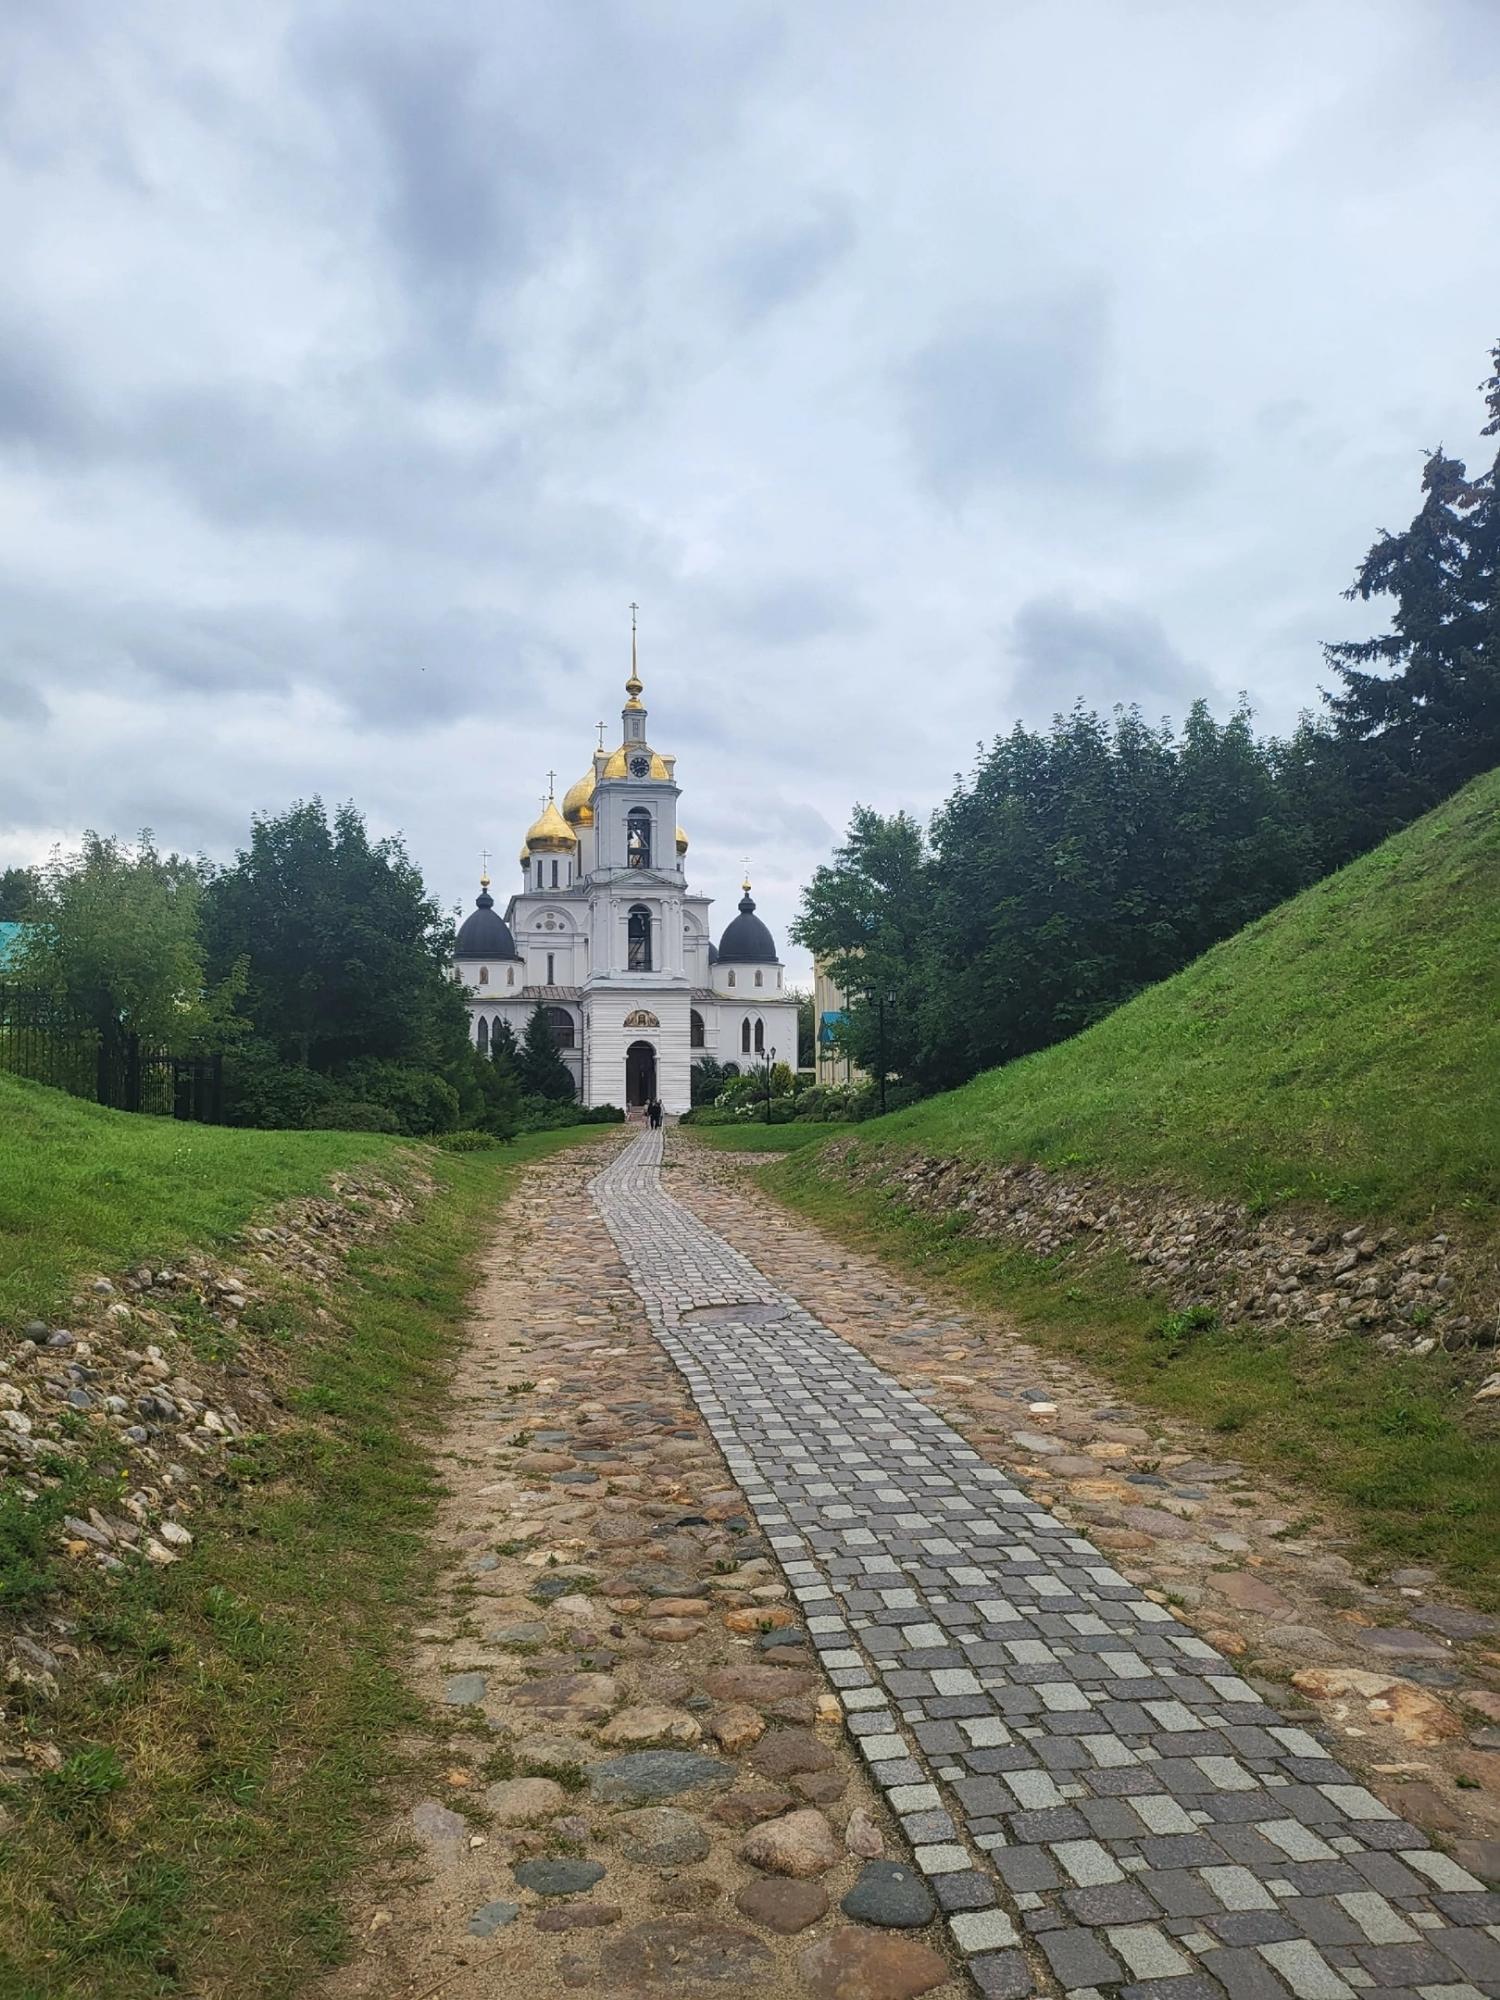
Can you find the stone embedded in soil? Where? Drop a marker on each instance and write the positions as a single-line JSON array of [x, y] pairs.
[[1158, 1523], [558, 1875], [820, 1788], [890, 1894], [1457, 1623], [736, 1727], [1480, 1857], [802, 1843], [525, 1633], [757, 1685], [663, 1837], [749, 1808], [643, 1776], [783, 1906], [1400, 1643], [437, 1825], [673, 1631], [462, 1690], [516, 1801], [862, 1836], [669, 1950], [492, 1917], [568, 1697], [759, 1618], [1252, 1593], [579, 1917], [686, 1893], [787, 1750], [650, 1723], [862, 1965]]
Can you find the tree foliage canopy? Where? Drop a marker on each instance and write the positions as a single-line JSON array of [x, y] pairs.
[[116, 924], [346, 953], [1080, 863]]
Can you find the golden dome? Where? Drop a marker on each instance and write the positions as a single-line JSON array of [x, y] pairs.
[[551, 834], [615, 768], [682, 841], [525, 854], [578, 806]]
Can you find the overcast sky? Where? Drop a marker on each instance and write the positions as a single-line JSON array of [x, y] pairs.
[[916, 367]]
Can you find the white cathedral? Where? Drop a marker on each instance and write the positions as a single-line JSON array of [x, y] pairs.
[[606, 935]]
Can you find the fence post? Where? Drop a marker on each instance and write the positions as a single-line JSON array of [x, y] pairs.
[[132, 1072], [216, 1091], [104, 1079]]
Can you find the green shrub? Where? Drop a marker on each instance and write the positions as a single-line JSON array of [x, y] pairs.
[[468, 1141]]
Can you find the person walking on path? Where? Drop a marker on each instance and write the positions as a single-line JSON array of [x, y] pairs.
[[653, 1112]]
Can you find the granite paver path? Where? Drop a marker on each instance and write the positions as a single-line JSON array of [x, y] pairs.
[[1095, 1795]]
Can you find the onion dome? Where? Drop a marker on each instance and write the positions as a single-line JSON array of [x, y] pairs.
[[746, 941], [551, 834], [484, 933], [578, 801], [682, 841], [615, 768], [525, 854], [713, 952]]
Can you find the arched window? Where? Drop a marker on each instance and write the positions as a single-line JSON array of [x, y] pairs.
[[695, 1029], [760, 1038], [484, 975], [510, 975], [638, 938], [760, 979], [560, 1021], [483, 1038], [731, 1069], [554, 874], [731, 979], [638, 837], [745, 1036]]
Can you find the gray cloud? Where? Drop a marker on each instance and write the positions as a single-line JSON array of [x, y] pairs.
[[1021, 398], [777, 266], [358, 366], [1100, 654]]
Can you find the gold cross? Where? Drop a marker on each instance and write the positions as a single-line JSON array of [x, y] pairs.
[[551, 781], [601, 727]]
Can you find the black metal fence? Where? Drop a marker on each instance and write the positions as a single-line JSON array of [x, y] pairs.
[[87, 1052]]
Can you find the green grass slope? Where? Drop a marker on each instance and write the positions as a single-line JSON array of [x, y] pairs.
[[82, 1188], [1344, 1049]]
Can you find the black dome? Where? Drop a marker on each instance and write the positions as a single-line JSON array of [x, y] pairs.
[[746, 941], [713, 952], [483, 933]]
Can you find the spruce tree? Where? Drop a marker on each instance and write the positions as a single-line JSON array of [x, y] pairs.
[[543, 1071], [1420, 704]]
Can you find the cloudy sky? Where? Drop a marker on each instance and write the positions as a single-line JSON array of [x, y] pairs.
[[915, 367]]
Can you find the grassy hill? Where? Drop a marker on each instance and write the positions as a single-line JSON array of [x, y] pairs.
[[82, 1188], [1345, 1048], [229, 1726], [1343, 1053]]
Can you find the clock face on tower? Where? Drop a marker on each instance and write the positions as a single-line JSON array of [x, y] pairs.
[[640, 766]]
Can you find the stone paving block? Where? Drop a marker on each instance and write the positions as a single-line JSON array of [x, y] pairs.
[[1164, 1831]]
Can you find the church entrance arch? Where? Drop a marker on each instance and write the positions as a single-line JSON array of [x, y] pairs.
[[640, 1073]]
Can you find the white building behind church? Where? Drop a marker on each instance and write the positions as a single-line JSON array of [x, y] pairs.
[[605, 933]]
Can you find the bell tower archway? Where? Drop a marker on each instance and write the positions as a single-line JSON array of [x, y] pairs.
[[640, 1074]]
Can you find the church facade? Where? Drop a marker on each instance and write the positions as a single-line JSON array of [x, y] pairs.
[[605, 934]]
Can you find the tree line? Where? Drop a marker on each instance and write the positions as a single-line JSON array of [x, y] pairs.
[[1080, 863], [316, 962]]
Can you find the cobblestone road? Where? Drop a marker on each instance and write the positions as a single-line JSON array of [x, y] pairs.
[[1094, 1794]]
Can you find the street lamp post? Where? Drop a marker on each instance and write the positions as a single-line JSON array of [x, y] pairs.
[[768, 1063]]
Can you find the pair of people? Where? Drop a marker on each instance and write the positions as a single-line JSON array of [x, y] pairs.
[[654, 1114]]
